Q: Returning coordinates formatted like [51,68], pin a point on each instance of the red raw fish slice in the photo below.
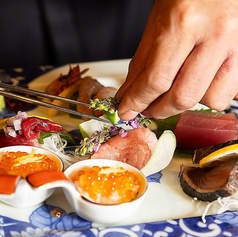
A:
[135,149]
[33,126]
[7,140]
[198,129]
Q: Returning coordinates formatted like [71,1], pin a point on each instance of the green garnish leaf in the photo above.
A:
[166,124]
[43,135]
[65,136]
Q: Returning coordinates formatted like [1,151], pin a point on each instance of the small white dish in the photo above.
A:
[98,213]
[16,190]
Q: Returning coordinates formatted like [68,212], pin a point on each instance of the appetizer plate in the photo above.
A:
[165,199]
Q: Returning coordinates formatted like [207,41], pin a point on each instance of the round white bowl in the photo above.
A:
[98,213]
[25,195]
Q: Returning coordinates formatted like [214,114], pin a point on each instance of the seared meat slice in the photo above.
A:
[220,179]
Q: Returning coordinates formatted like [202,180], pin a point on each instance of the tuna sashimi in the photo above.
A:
[198,129]
[135,149]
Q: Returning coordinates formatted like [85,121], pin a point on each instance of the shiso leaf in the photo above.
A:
[64,136]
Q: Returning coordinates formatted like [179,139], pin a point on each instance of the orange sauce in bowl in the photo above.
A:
[24,163]
[106,185]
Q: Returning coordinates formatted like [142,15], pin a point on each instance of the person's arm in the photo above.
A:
[188,54]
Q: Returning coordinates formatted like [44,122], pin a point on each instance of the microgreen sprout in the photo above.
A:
[105,104]
[90,145]
[111,104]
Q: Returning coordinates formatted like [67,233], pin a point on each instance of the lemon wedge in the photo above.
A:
[220,154]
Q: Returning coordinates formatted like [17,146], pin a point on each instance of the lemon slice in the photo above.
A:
[220,154]
[38,116]
[2,103]
[2,123]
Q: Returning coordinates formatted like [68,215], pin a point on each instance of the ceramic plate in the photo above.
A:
[165,199]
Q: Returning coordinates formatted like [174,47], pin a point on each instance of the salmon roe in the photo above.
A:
[106,185]
[23,163]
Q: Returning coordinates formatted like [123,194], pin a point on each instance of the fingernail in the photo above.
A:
[146,113]
[130,114]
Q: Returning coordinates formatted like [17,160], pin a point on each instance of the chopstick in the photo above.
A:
[8,93]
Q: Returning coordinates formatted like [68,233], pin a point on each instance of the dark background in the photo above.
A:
[56,32]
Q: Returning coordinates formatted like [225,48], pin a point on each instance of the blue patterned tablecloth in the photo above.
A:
[42,224]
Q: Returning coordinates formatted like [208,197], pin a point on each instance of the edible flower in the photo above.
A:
[90,145]
[109,104]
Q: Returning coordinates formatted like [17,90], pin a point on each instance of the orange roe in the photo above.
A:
[10,164]
[108,182]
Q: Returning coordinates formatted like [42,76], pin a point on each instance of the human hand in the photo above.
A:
[188,54]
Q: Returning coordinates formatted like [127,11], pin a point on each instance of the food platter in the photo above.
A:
[165,200]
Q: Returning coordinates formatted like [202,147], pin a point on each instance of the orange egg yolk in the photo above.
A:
[108,182]
[23,163]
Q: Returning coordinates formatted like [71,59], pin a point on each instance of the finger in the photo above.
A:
[191,83]
[138,62]
[236,96]
[224,86]
[165,59]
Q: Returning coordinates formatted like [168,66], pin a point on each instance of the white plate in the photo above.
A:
[165,199]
